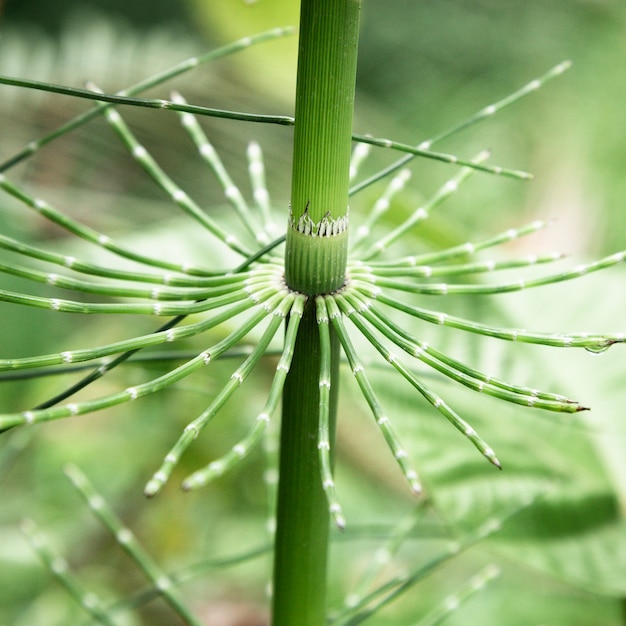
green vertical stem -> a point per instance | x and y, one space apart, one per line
315 263
300 552
317 240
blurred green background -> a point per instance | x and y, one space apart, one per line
423 66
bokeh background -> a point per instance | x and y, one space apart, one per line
423 66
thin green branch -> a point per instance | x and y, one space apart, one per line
109 365
383 556
101 240
468 376
176 194
491 109
453 603
240 450
169 335
478 267
379 208
256 171
99 372
137 391
208 279
422 212
69 262
129 543
89 601
382 420
282 120
400 584
277 308
143 596
436 401
443 157
256 286
152 81
360 152
484 113
508 287
225 285
589 341
210 156
150 103
461 250
324 437
137 358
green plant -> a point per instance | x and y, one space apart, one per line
315 286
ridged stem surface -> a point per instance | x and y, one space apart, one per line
317 240
315 263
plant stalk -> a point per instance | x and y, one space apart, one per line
315 263
302 524
317 239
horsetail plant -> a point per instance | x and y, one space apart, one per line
306 281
